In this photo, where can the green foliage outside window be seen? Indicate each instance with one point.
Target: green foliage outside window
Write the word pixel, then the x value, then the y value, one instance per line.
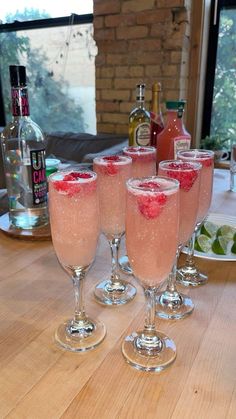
pixel 50 107
pixel 223 119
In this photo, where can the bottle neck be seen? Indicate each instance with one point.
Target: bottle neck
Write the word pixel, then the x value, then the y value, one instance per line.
pixel 20 103
pixel 155 106
pixel 174 118
pixel 140 103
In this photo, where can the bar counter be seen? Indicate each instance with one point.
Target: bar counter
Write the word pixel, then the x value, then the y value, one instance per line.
pixel 40 381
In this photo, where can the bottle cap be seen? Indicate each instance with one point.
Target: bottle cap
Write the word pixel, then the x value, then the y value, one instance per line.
pixel 17 75
pixel 175 105
pixel 140 91
pixel 156 87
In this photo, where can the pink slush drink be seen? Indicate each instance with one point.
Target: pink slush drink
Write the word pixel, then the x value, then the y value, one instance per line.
pixel 143 160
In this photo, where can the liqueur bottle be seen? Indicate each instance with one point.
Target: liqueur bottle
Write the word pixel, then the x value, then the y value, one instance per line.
pixel 139 120
pixel 174 136
pixel 157 123
pixel 23 147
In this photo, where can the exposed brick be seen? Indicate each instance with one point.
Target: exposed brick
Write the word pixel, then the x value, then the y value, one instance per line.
pixel 152 70
pixel 120 20
pixel 175 57
pixel 133 32
pixel 107 7
pixel 115 95
pixel 108 106
pixel 170 3
pixel 106 128
pixel 104 34
pixel 154 16
pixel 111 46
pixel 144 44
pixel 98 22
pixel 126 83
pixel 137 5
pixel 122 129
pixel 126 107
pixel 107 72
pixel 129 71
pixel 104 83
pixel 114 118
pixel 169 70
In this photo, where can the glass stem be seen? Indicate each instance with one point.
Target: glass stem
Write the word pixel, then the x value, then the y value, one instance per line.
pixel 77 279
pixel 114 245
pixel 189 258
pixel 150 294
pixel 171 282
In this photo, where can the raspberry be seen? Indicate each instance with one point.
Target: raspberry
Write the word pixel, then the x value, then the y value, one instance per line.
pixel 110 168
pixel 77 175
pixel 186 179
pixel 70 189
pixel 151 206
pixel 150 185
pixel 207 162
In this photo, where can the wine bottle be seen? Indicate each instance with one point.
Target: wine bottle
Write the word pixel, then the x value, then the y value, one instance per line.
pixel 139 120
pixel 157 123
pixel 23 148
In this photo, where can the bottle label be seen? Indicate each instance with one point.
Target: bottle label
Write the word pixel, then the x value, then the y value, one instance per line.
pixel 39 180
pixel 142 134
pixel 181 143
pixel 20 104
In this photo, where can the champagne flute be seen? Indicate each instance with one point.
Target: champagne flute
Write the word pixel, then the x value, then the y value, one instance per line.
pixel 113 172
pixel 152 227
pixel 171 304
pixel 74 219
pixel 189 274
pixel 143 165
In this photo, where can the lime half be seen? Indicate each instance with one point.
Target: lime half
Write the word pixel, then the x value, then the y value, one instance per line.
pixel 209 229
pixel 220 245
pixel 233 248
pixel 203 243
pixel 226 231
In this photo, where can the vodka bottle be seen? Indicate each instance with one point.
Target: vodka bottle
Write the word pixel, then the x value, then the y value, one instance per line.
pixel 139 120
pixel 23 147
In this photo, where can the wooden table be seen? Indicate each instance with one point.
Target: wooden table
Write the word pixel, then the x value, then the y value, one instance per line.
pixel 38 380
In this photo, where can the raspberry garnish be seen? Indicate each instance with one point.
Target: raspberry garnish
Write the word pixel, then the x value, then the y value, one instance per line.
pixel 68 185
pixel 151 206
pixel 150 185
pixel 77 175
pixel 112 158
pixel 186 179
pixel 136 150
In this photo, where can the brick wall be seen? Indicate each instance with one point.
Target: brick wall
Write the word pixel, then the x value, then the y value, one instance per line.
pixel 138 41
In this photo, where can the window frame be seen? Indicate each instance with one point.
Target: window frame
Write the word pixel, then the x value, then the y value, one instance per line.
pixel 73 19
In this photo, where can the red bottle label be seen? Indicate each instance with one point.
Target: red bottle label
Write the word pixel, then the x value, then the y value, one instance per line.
pixel 39 180
pixel 20 104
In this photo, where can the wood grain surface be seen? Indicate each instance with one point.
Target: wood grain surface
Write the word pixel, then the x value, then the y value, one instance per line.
pixel 40 381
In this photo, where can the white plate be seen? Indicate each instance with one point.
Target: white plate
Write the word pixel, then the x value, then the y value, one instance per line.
pixel 218 219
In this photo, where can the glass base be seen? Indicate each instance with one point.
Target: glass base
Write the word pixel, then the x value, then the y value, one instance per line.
pixel 188 276
pixel 80 336
pixel 173 305
pixel 116 293
pixel 148 355
pixel 125 266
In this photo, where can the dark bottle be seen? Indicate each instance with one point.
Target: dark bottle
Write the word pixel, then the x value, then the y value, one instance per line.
pixel 157 123
pixel 23 148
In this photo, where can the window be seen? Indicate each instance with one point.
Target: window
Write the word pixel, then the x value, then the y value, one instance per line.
pixel 58 50
pixel 220 90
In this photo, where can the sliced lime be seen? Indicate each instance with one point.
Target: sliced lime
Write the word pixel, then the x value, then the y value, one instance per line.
pixel 203 243
pixel 220 245
pixel 233 248
pixel 226 231
pixel 209 229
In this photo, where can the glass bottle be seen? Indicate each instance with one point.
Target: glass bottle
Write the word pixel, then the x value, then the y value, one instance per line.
pixel 174 136
pixel 157 123
pixel 139 120
pixel 23 147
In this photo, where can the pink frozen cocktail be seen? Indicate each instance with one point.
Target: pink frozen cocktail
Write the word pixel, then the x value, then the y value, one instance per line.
pixel 113 172
pixel 143 160
pixel 74 219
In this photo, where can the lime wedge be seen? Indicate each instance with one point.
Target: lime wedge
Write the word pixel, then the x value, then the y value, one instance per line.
pixel 209 229
pixel 233 248
pixel 226 231
pixel 219 245
pixel 203 243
